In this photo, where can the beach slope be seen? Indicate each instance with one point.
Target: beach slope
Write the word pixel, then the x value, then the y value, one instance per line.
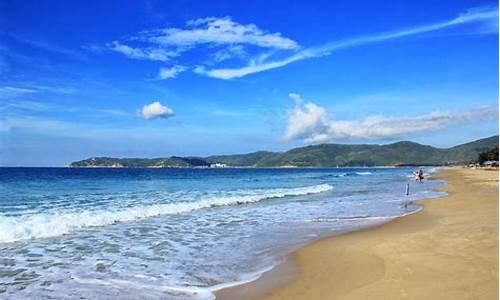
pixel 447 251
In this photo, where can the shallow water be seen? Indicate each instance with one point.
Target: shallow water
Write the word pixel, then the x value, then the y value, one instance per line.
pixel 176 233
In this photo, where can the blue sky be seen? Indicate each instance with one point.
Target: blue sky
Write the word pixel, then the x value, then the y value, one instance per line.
pixel 161 78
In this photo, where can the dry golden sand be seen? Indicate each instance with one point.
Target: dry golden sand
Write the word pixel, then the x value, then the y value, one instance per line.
pixel 447 251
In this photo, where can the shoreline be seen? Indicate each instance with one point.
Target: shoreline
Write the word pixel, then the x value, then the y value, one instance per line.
pixel 286 269
pixel 368 272
pixel 246 167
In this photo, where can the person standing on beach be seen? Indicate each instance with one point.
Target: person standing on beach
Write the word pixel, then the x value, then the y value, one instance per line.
pixel 420 175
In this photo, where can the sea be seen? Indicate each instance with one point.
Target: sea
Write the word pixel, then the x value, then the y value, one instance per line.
pixel 70 233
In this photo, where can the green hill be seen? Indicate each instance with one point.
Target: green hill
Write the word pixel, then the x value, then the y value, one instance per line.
pixel 165 162
pixel 324 155
pixel 249 159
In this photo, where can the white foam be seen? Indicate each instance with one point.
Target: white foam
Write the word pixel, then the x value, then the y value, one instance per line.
pixel 58 223
pixel 193 292
pixel 353 218
pixel 367 218
pixel 434 170
pixel 364 173
pixel 189 291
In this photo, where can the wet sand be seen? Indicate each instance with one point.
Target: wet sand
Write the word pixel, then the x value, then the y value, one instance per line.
pixel 449 250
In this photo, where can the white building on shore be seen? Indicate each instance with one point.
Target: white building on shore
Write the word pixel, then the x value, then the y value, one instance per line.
pixel 218 165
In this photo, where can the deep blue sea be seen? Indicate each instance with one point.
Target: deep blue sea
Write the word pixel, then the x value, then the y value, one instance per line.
pixel 177 233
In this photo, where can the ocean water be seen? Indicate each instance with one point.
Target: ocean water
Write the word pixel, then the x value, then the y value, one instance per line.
pixel 177 233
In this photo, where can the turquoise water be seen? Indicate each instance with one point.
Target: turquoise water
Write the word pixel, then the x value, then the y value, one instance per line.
pixel 177 233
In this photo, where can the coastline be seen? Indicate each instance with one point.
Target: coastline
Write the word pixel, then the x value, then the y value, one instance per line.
pixel 241 167
pixel 448 250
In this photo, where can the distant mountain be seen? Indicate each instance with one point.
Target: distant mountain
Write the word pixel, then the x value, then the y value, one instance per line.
pixel 164 162
pixel 324 155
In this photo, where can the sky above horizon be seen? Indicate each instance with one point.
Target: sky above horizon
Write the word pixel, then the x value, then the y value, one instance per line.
pixel 162 78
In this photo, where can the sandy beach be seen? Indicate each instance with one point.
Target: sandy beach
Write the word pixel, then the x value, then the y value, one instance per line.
pixel 449 250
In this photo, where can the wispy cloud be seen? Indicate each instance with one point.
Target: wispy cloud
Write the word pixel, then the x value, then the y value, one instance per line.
pixel 223 39
pixel 221 31
pixel 155 110
pixel 250 69
pixel 312 123
pixel 16 91
pixel 229 52
pixel 155 54
pixel 28 105
pixel 21 107
pixel 168 73
pixel 485 17
pixel 55 89
pixel 49 47
pixel 12 90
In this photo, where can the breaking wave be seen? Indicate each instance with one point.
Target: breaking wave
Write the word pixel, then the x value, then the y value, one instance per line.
pixel 52 224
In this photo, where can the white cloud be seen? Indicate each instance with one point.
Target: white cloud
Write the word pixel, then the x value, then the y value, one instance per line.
pixel 56 89
pixel 241 72
pixel 295 97
pixel 483 16
pixel 155 54
pixel 312 123
pixel 220 31
pixel 305 120
pixel 167 73
pixel 155 110
pixel 229 52
pixel 224 39
pixel 11 90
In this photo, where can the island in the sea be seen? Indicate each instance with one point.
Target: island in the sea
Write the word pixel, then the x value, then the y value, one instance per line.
pixel 324 155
